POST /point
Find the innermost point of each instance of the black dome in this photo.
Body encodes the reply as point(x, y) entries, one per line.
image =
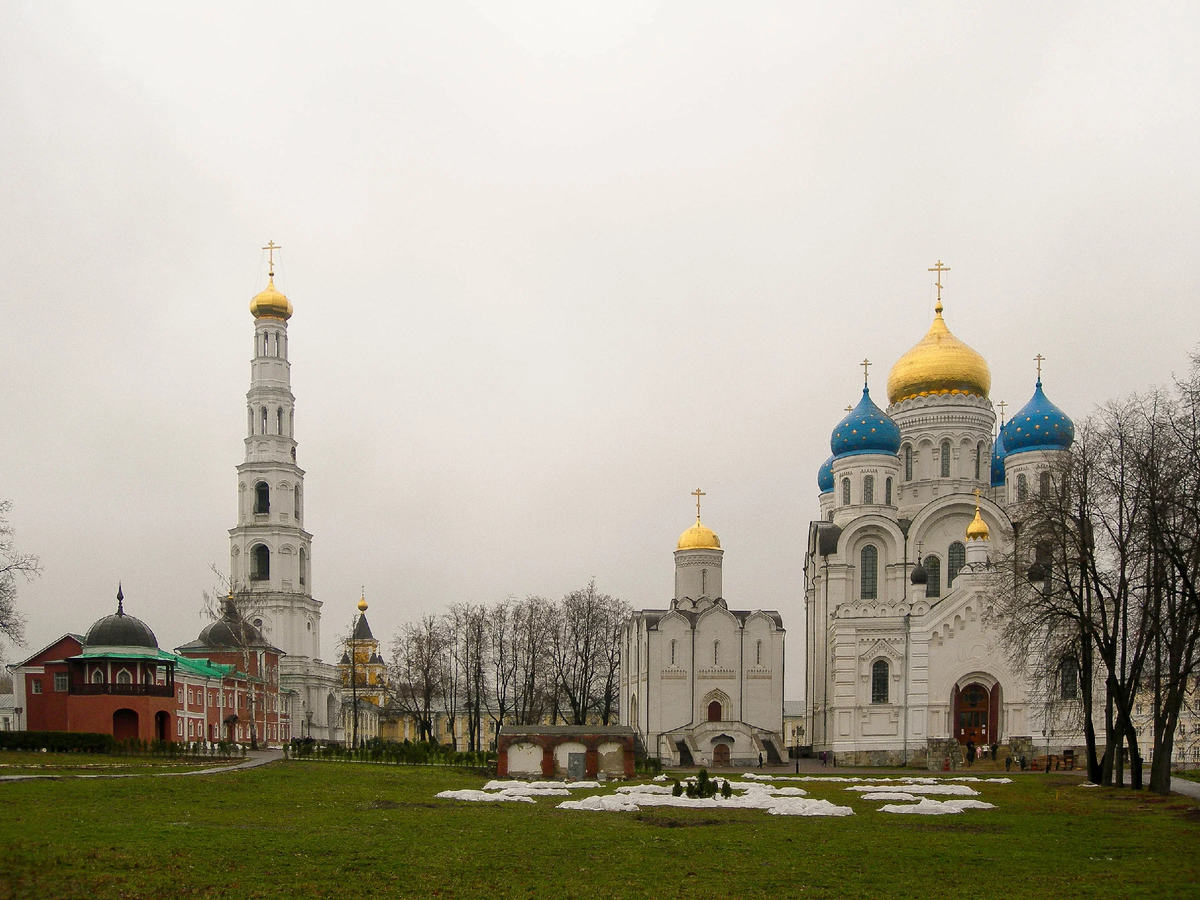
point(120, 630)
point(231, 630)
point(919, 575)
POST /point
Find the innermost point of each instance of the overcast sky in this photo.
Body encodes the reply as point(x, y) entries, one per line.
point(554, 266)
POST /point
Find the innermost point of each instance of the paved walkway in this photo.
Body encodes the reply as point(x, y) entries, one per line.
point(254, 758)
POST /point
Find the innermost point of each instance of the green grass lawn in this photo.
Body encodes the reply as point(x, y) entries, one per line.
point(342, 830)
point(21, 762)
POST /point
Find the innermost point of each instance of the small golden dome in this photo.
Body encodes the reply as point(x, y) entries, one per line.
point(699, 537)
point(270, 304)
point(362, 604)
point(977, 530)
point(939, 364)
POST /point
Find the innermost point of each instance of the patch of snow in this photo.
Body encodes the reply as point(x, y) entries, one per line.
point(999, 781)
point(574, 785)
point(600, 804)
point(756, 777)
point(482, 797)
point(1089, 784)
point(643, 789)
point(659, 778)
point(891, 795)
point(527, 791)
point(960, 790)
point(969, 804)
point(798, 807)
point(790, 792)
point(925, 808)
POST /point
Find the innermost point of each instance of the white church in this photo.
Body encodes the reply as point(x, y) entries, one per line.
point(700, 683)
point(916, 503)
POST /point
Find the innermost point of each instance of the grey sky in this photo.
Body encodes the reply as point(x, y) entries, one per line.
point(553, 267)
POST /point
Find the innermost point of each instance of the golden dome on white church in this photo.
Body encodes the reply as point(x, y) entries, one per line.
point(977, 530)
point(699, 537)
point(939, 364)
point(271, 304)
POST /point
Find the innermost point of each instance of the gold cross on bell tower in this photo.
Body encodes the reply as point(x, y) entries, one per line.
point(697, 493)
point(939, 268)
point(271, 248)
point(1039, 359)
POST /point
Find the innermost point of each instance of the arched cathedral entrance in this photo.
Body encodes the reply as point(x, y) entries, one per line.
point(976, 709)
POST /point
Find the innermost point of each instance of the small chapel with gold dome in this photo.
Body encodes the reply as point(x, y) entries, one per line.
point(917, 501)
point(702, 684)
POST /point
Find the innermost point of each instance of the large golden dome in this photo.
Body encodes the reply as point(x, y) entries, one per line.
point(939, 364)
point(699, 537)
point(270, 304)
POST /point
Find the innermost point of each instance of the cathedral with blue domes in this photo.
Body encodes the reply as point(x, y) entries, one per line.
point(917, 502)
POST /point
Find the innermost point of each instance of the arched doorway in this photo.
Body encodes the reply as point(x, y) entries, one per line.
point(721, 755)
point(976, 714)
point(231, 728)
point(162, 725)
point(125, 724)
point(714, 712)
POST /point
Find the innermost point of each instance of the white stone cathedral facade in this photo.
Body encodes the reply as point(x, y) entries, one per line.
point(903, 663)
point(270, 560)
point(703, 684)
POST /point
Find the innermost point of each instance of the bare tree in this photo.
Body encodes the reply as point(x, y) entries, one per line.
point(502, 658)
point(418, 664)
point(465, 625)
point(585, 650)
point(533, 619)
point(237, 608)
point(13, 565)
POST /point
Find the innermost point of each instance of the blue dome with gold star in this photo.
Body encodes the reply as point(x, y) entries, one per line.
point(866, 429)
point(1040, 425)
point(998, 454)
point(825, 476)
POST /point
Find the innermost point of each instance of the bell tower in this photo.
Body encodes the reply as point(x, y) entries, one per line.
point(270, 552)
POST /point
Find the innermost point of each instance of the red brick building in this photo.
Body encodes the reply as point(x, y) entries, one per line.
point(115, 680)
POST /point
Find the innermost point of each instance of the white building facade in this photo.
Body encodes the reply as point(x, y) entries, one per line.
point(270, 550)
point(903, 663)
point(702, 684)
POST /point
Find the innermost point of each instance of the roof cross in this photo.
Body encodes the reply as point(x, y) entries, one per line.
point(1039, 359)
point(1002, 404)
point(866, 363)
point(271, 248)
point(939, 268)
point(697, 493)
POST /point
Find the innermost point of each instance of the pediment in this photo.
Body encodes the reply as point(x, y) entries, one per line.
point(879, 648)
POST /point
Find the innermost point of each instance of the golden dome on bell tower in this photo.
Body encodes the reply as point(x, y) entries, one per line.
point(270, 303)
point(699, 536)
point(939, 364)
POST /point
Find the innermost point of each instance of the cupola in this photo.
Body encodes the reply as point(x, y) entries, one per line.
point(120, 630)
point(865, 429)
point(1039, 425)
point(939, 364)
point(825, 476)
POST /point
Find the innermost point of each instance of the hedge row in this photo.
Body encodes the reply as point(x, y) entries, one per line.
point(58, 741)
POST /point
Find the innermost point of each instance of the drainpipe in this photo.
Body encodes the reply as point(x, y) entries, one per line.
point(907, 672)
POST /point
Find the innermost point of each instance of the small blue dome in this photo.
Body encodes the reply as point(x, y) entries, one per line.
point(998, 454)
point(1040, 425)
point(866, 429)
point(825, 476)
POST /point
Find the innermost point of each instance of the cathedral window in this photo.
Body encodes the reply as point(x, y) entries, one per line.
point(714, 711)
point(261, 557)
point(97, 677)
point(704, 582)
point(673, 645)
point(291, 421)
point(879, 681)
point(1044, 484)
point(264, 420)
point(277, 343)
point(279, 419)
point(887, 492)
point(1068, 678)
point(869, 573)
point(955, 560)
point(945, 459)
point(123, 677)
point(262, 497)
point(933, 569)
point(758, 653)
point(716, 653)
point(908, 462)
point(1022, 487)
point(978, 460)
point(303, 573)
point(869, 489)
point(296, 504)
point(845, 492)
point(264, 346)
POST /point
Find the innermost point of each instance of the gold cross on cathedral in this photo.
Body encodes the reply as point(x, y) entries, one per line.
point(865, 364)
point(1003, 404)
point(697, 493)
point(1039, 359)
point(271, 248)
point(978, 494)
point(939, 268)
